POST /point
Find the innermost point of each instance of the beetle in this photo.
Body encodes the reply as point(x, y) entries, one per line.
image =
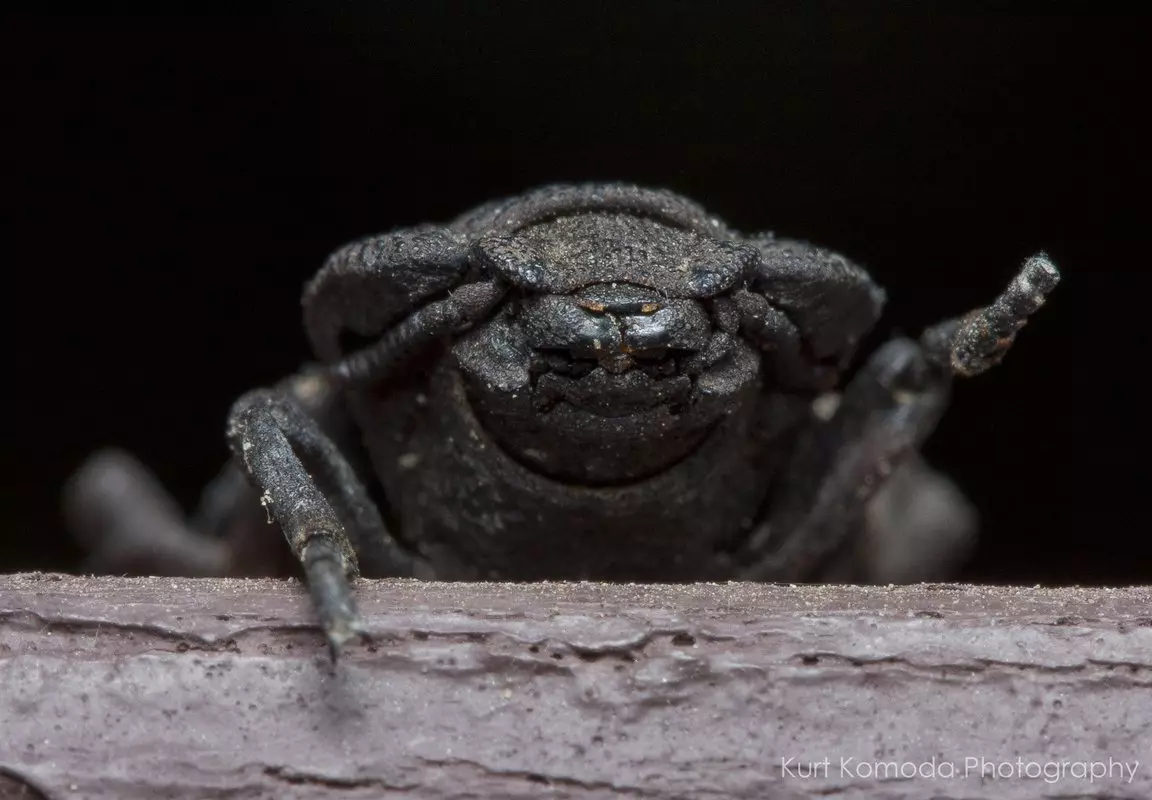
point(595, 381)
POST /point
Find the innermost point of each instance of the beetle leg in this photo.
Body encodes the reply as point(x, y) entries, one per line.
point(977, 341)
point(230, 509)
point(128, 523)
point(308, 486)
point(918, 527)
point(885, 413)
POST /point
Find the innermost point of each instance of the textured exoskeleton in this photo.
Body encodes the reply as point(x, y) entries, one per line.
point(599, 382)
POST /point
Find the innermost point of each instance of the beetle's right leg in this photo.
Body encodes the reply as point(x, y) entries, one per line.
point(309, 488)
point(230, 509)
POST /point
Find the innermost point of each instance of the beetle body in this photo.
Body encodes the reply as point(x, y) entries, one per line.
point(604, 382)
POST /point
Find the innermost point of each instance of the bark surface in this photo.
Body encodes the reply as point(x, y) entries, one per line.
point(146, 688)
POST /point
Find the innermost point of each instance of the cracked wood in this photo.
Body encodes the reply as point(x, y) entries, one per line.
point(138, 688)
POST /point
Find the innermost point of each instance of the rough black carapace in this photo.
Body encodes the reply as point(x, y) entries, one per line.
point(597, 381)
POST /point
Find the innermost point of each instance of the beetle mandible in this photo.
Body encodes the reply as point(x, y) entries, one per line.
point(583, 382)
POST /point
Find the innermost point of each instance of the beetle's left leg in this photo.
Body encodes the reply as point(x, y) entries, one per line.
point(308, 487)
point(978, 340)
point(887, 411)
point(883, 416)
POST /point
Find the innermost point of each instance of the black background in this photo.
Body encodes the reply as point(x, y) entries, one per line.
point(169, 184)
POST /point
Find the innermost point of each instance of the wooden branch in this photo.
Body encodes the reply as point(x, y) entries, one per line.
point(145, 688)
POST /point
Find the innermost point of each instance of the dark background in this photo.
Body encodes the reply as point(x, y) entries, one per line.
point(169, 184)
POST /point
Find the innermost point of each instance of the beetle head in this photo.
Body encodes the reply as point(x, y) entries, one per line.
point(611, 360)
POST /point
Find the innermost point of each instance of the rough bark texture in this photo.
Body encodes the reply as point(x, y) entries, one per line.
point(146, 688)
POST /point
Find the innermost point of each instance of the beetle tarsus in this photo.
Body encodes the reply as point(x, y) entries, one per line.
point(979, 340)
point(332, 595)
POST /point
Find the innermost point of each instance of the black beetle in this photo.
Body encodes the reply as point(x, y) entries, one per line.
point(596, 381)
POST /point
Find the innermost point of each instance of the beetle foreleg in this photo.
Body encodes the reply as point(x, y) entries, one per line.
point(973, 343)
point(307, 486)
